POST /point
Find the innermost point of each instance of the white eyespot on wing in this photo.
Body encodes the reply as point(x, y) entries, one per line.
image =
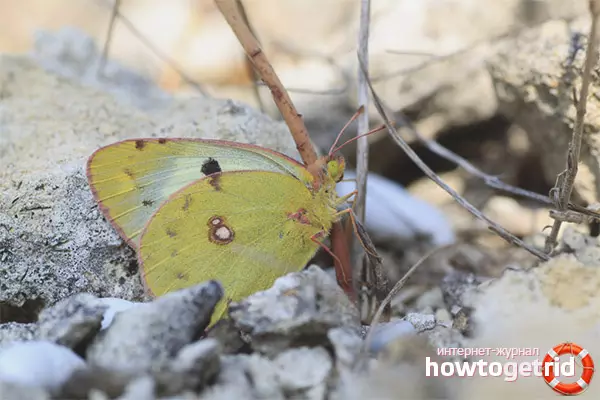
point(223, 233)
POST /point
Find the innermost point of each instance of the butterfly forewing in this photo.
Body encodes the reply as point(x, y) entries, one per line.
point(132, 178)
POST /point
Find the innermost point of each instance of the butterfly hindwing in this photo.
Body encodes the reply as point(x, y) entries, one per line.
point(132, 178)
point(234, 227)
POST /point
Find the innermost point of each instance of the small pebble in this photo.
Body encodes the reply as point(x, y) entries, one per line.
point(115, 306)
point(38, 364)
point(388, 332)
point(421, 322)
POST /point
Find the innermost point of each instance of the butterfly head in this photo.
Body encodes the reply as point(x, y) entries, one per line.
point(334, 168)
point(327, 170)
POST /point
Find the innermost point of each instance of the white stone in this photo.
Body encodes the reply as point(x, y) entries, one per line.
point(38, 364)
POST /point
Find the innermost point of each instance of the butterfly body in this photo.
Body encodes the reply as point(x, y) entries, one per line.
point(205, 209)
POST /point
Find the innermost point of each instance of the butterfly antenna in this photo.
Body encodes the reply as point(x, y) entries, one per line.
point(380, 128)
point(360, 110)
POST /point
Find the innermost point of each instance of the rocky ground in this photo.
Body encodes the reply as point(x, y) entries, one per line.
point(74, 319)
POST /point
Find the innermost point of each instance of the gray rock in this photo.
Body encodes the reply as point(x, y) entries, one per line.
point(72, 321)
point(245, 377)
point(346, 344)
point(114, 306)
point(146, 337)
point(194, 365)
point(300, 306)
point(432, 298)
point(140, 388)
point(72, 54)
point(96, 381)
point(38, 364)
point(12, 331)
point(11, 391)
point(446, 337)
point(304, 372)
point(231, 339)
point(534, 74)
point(455, 285)
point(421, 322)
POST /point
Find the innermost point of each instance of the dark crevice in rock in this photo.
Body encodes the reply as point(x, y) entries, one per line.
point(470, 142)
point(27, 313)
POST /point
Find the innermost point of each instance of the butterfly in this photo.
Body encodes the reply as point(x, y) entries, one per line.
point(198, 209)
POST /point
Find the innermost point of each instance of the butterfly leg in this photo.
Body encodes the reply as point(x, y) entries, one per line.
point(345, 198)
point(368, 249)
point(348, 180)
point(315, 238)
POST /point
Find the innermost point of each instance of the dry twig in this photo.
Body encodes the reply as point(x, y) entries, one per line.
point(499, 230)
point(390, 296)
point(162, 56)
point(287, 109)
point(362, 147)
point(490, 180)
point(108, 39)
point(561, 193)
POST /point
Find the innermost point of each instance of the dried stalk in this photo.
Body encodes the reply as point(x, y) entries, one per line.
point(490, 180)
point(162, 56)
point(108, 39)
point(390, 296)
point(362, 146)
point(561, 193)
point(252, 48)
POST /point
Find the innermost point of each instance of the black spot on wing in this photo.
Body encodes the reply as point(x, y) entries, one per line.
point(170, 232)
point(210, 166)
point(147, 203)
point(140, 144)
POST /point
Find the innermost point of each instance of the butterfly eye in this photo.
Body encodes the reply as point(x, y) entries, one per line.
point(335, 169)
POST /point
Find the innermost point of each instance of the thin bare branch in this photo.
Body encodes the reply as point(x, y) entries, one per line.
point(162, 56)
point(107, 41)
point(490, 180)
point(390, 296)
point(362, 147)
point(563, 188)
point(292, 118)
point(509, 237)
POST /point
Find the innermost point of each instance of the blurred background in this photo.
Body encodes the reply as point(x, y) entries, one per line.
point(428, 61)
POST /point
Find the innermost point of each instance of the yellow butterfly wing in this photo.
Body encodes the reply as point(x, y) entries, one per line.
point(132, 178)
point(244, 228)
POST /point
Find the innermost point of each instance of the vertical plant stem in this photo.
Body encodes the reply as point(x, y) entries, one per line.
point(566, 179)
point(362, 148)
point(111, 25)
